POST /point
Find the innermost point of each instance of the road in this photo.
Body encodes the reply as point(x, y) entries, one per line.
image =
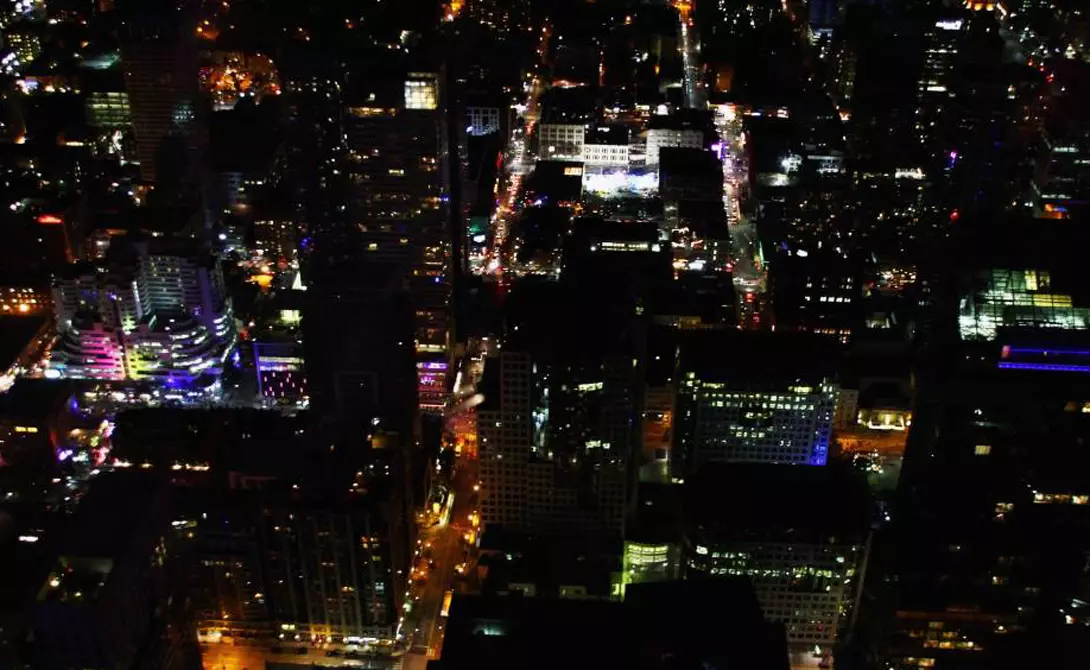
point(229, 656)
point(447, 546)
point(518, 162)
point(749, 278)
point(695, 95)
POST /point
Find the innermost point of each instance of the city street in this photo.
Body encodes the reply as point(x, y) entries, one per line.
point(749, 279)
point(518, 162)
point(444, 544)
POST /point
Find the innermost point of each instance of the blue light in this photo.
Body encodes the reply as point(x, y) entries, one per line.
point(1051, 367)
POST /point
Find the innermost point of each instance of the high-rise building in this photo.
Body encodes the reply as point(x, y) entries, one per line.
point(165, 313)
point(159, 60)
point(397, 173)
point(806, 562)
point(1060, 185)
point(774, 404)
point(991, 562)
point(556, 431)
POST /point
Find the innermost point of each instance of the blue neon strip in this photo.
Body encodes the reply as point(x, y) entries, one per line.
point(1046, 366)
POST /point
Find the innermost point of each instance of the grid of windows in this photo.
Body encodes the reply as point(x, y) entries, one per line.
point(1016, 299)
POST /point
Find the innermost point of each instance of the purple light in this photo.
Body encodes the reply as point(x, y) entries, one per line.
point(431, 365)
point(1045, 366)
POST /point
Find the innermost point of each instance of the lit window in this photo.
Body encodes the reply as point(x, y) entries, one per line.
point(982, 449)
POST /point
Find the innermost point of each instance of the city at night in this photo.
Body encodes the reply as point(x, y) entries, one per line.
point(538, 334)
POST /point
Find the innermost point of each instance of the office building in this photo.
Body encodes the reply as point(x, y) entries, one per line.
point(681, 130)
point(806, 561)
point(936, 86)
point(556, 431)
point(1060, 182)
point(990, 560)
point(561, 141)
point(817, 292)
point(159, 60)
point(281, 371)
point(397, 193)
point(775, 404)
point(606, 147)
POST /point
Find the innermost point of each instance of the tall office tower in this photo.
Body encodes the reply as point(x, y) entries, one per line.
point(806, 561)
point(754, 397)
point(934, 88)
point(556, 431)
point(1061, 185)
point(992, 561)
point(396, 164)
point(159, 59)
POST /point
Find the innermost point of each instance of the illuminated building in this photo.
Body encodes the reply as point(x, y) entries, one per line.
point(1009, 299)
point(806, 561)
point(25, 45)
point(432, 388)
point(88, 350)
point(483, 120)
point(159, 60)
point(172, 347)
point(606, 147)
point(556, 429)
point(275, 238)
point(560, 141)
point(168, 314)
point(651, 561)
point(281, 374)
point(1063, 163)
point(989, 552)
point(773, 405)
point(817, 292)
point(397, 172)
point(329, 572)
point(108, 109)
point(505, 17)
point(21, 345)
point(686, 130)
point(23, 300)
point(183, 277)
point(940, 85)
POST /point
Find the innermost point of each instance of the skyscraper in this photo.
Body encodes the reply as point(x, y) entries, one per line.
point(159, 59)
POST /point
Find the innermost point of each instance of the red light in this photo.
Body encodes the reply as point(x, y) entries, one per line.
point(955, 215)
point(50, 220)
